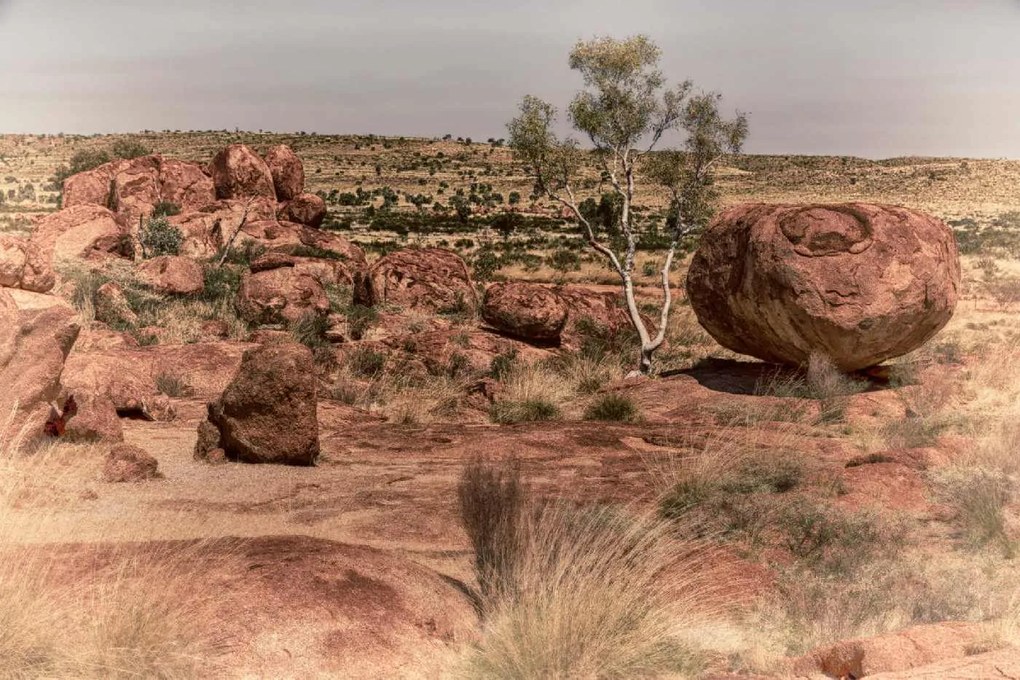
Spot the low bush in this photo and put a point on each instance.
(158, 237)
(527, 411)
(611, 407)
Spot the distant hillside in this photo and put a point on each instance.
(430, 171)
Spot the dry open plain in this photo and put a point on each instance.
(723, 517)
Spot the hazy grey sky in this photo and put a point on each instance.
(865, 77)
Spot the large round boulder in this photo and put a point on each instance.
(23, 264)
(287, 170)
(525, 310)
(239, 172)
(857, 282)
(267, 414)
(280, 295)
(430, 278)
(134, 190)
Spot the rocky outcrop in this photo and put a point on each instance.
(288, 172)
(281, 295)
(23, 264)
(525, 310)
(82, 232)
(859, 283)
(307, 209)
(36, 334)
(267, 414)
(238, 172)
(172, 274)
(428, 278)
(133, 188)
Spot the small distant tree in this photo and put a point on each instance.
(129, 148)
(625, 111)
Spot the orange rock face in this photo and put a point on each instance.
(267, 414)
(81, 232)
(174, 274)
(24, 265)
(525, 310)
(306, 209)
(282, 295)
(287, 170)
(430, 278)
(860, 283)
(239, 172)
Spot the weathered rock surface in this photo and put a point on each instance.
(36, 334)
(267, 414)
(307, 209)
(904, 650)
(127, 463)
(288, 172)
(525, 310)
(207, 229)
(82, 232)
(186, 185)
(173, 274)
(860, 283)
(91, 187)
(23, 264)
(132, 188)
(430, 278)
(239, 172)
(281, 295)
(96, 420)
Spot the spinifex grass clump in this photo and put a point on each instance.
(571, 591)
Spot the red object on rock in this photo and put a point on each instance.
(57, 422)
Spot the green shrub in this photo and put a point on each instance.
(221, 283)
(531, 410)
(159, 237)
(611, 407)
(129, 148)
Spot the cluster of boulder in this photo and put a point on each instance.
(858, 282)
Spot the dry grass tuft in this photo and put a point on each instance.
(85, 611)
(584, 592)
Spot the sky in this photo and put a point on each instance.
(868, 78)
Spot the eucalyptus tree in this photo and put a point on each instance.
(625, 110)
